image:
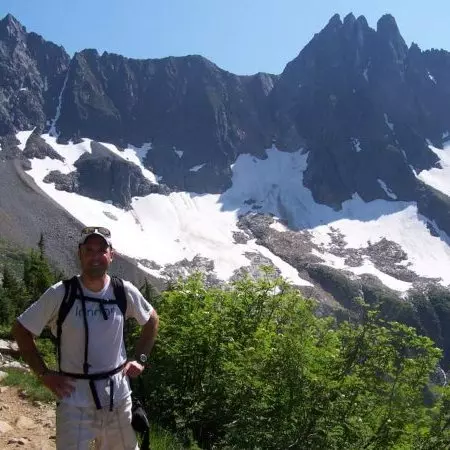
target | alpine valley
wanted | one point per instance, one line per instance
(336, 172)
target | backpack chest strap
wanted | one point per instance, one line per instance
(94, 376)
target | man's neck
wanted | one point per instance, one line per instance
(95, 284)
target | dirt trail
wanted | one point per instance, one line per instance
(25, 423)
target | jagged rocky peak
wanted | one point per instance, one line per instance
(349, 24)
(362, 22)
(32, 74)
(356, 29)
(10, 26)
(91, 54)
(415, 49)
(387, 26)
(349, 20)
(334, 23)
(334, 57)
(388, 32)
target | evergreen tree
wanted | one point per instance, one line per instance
(14, 297)
(41, 246)
(5, 308)
(38, 275)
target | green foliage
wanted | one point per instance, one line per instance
(163, 440)
(34, 389)
(12, 257)
(37, 275)
(14, 296)
(47, 349)
(253, 367)
(23, 281)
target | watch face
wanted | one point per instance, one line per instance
(143, 358)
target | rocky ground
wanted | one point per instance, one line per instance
(23, 423)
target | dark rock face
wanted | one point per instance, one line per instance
(62, 181)
(179, 104)
(36, 147)
(32, 72)
(9, 145)
(364, 104)
(104, 176)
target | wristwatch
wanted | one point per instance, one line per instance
(142, 358)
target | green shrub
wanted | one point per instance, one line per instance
(252, 366)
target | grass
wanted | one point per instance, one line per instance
(30, 384)
(161, 439)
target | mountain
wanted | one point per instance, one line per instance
(335, 172)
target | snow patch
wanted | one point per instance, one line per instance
(179, 153)
(278, 226)
(135, 155)
(197, 168)
(389, 124)
(366, 268)
(431, 77)
(169, 228)
(399, 222)
(356, 144)
(52, 130)
(366, 73)
(165, 228)
(72, 152)
(388, 191)
(438, 178)
(288, 272)
(23, 137)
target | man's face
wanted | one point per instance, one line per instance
(95, 256)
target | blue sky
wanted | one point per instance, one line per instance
(242, 36)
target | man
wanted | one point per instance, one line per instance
(92, 383)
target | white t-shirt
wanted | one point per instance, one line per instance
(106, 346)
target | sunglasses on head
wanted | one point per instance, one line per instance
(102, 230)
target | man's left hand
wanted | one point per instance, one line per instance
(133, 369)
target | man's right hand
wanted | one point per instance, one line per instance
(60, 385)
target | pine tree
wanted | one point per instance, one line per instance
(14, 297)
(41, 246)
(5, 308)
(38, 276)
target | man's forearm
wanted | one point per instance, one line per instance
(28, 349)
(148, 335)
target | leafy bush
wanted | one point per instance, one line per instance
(253, 367)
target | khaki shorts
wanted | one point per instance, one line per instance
(87, 428)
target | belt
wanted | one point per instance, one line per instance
(94, 377)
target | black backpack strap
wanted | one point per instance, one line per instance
(86, 365)
(79, 290)
(119, 293)
(70, 293)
